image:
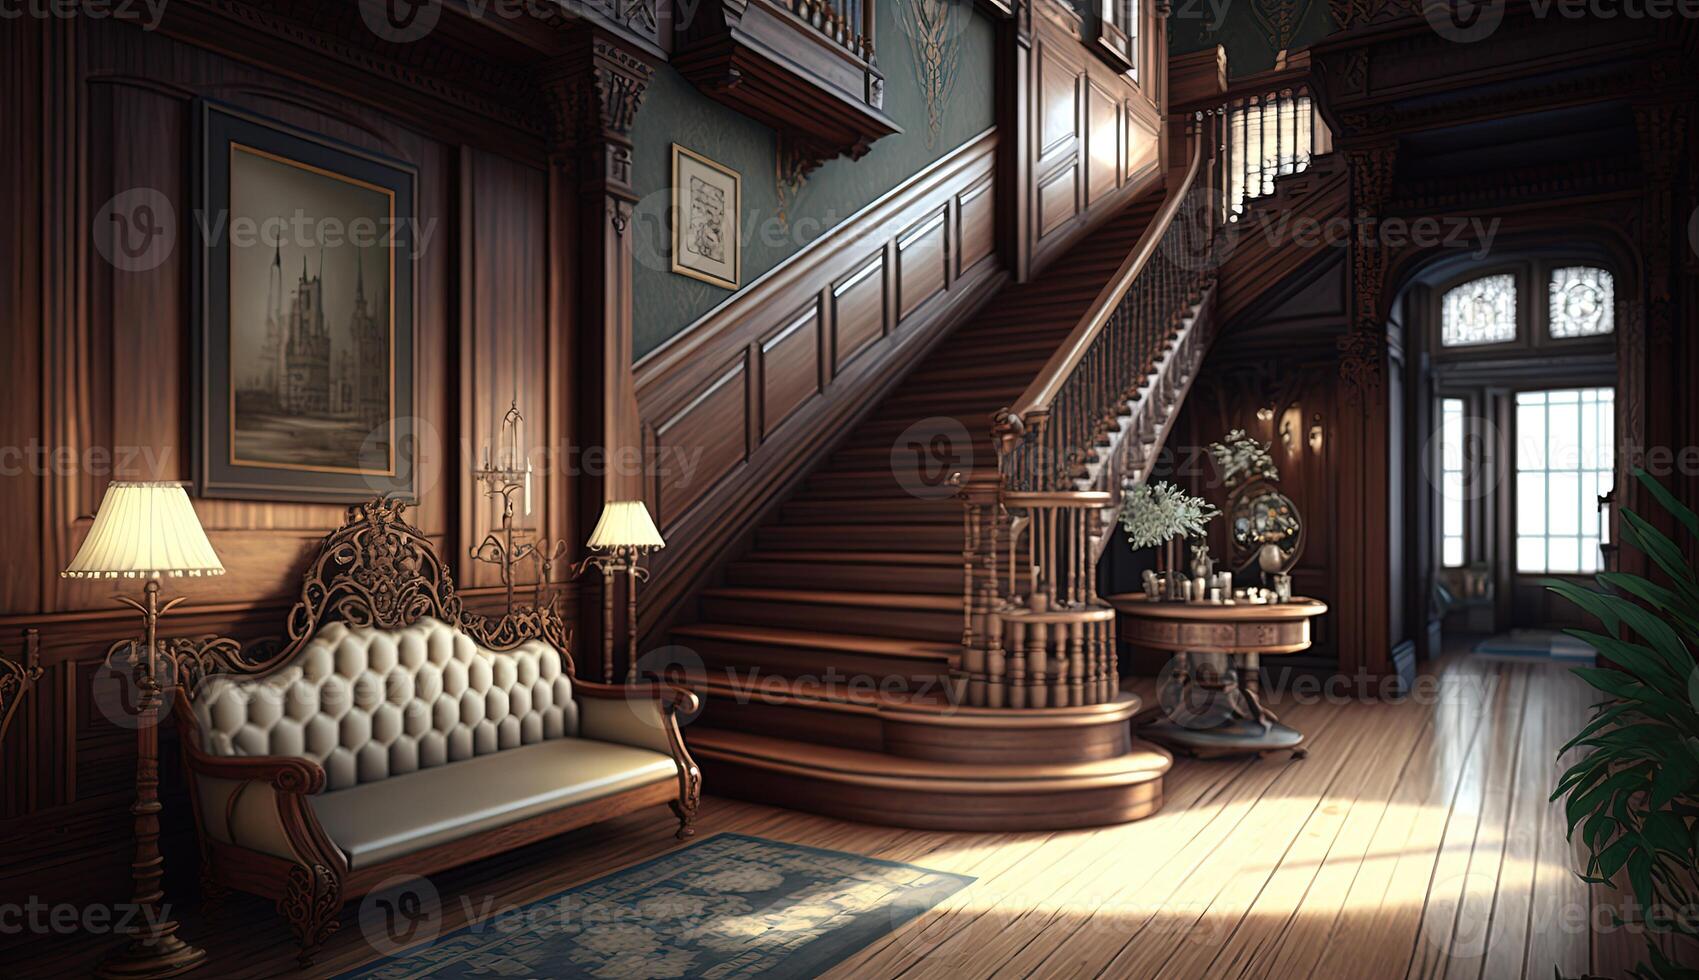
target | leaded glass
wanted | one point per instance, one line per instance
(1582, 302)
(1481, 311)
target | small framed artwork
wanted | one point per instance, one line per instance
(707, 201)
(303, 326)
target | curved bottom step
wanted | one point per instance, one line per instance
(874, 787)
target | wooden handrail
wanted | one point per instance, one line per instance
(1043, 389)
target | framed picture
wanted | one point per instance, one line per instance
(303, 295)
(705, 219)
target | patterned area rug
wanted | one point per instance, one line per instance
(730, 906)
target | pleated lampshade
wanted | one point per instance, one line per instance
(625, 524)
(144, 530)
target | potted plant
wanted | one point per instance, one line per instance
(1160, 514)
(1635, 795)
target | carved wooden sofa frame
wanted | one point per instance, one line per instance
(379, 571)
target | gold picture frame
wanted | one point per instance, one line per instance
(706, 234)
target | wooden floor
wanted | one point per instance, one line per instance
(1415, 841)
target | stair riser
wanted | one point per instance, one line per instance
(928, 580)
(873, 512)
(907, 624)
(871, 538)
(934, 807)
(743, 662)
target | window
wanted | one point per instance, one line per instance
(1565, 442)
(1452, 501)
(1481, 311)
(1583, 302)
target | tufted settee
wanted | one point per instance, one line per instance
(391, 737)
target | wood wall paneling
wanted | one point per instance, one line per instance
(1058, 198)
(858, 311)
(790, 368)
(100, 374)
(1096, 142)
(975, 232)
(1103, 142)
(702, 442)
(923, 261)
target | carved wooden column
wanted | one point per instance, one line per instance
(593, 94)
(1364, 575)
(1653, 383)
(1016, 99)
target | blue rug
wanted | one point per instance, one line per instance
(730, 906)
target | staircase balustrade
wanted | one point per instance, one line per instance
(1035, 633)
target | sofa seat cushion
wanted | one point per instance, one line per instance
(374, 822)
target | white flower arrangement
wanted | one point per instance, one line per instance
(1239, 457)
(1155, 513)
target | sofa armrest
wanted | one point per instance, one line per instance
(285, 774)
(645, 716)
(627, 718)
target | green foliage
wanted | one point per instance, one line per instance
(1154, 513)
(1634, 796)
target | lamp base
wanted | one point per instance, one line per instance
(158, 955)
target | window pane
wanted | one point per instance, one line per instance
(1452, 501)
(1482, 311)
(1530, 433)
(1563, 464)
(1583, 302)
(1530, 554)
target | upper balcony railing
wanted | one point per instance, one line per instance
(848, 23)
(1270, 135)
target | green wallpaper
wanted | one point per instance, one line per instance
(675, 112)
(1252, 31)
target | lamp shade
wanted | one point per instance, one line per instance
(145, 530)
(625, 524)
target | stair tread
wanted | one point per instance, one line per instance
(1140, 759)
(820, 640)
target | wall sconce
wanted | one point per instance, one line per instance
(1315, 433)
(1265, 413)
(17, 679)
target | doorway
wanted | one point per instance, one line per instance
(1519, 374)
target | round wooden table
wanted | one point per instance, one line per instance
(1207, 695)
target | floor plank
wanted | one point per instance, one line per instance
(1416, 840)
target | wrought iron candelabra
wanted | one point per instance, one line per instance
(509, 473)
(16, 679)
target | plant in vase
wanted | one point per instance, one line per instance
(1158, 514)
(1241, 458)
(1634, 795)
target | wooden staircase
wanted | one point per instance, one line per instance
(832, 650)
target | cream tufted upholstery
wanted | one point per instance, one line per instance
(367, 704)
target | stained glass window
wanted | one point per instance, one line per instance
(1564, 447)
(1583, 302)
(1481, 311)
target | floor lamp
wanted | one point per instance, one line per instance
(623, 535)
(145, 531)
